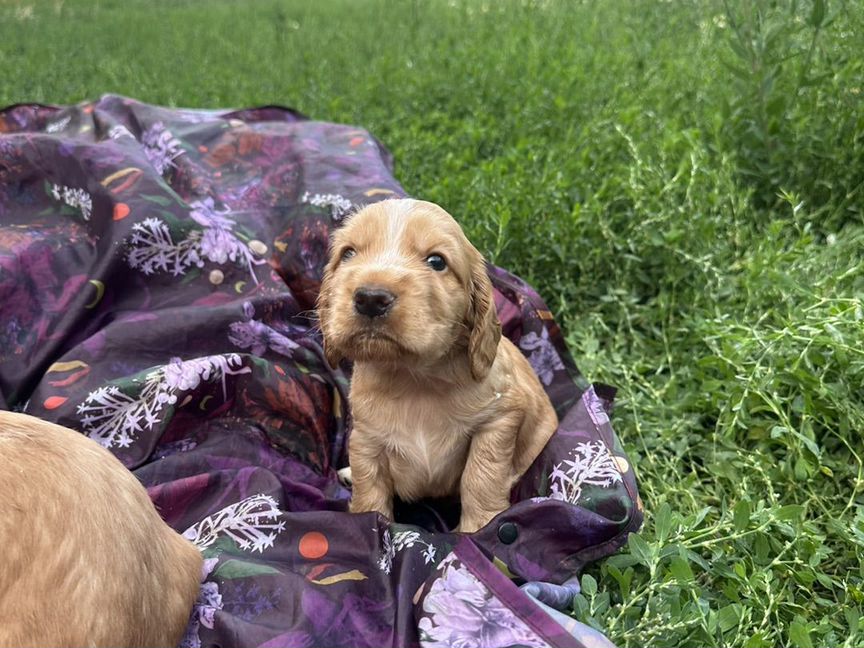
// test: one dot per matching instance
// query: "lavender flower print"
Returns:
(252, 335)
(161, 147)
(175, 447)
(247, 599)
(258, 337)
(187, 375)
(204, 213)
(152, 246)
(209, 601)
(461, 612)
(595, 407)
(218, 243)
(544, 359)
(183, 375)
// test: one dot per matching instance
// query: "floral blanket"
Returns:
(158, 274)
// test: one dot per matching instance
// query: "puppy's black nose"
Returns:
(373, 302)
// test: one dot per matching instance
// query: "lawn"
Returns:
(682, 181)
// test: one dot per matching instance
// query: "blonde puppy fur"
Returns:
(85, 559)
(441, 403)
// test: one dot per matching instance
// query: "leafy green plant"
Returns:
(782, 116)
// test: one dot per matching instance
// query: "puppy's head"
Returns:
(404, 284)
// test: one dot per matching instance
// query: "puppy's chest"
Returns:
(426, 446)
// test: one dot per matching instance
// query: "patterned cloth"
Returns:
(158, 274)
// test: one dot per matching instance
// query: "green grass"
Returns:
(683, 183)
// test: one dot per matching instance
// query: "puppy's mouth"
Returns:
(375, 344)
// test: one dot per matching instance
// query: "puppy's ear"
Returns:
(330, 352)
(485, 329)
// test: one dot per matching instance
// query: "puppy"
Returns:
(441, 403)
(86, 560)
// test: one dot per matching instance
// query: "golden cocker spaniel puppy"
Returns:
(442, 404)
(85, 559)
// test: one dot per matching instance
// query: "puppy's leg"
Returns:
(370, 473)
(488, 477)
(538, 427)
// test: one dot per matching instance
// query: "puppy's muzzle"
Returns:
(373, 302)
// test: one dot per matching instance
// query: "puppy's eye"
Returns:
(436, 262)
(348, 253)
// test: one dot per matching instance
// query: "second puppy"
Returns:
(442, 404)
(86, 560)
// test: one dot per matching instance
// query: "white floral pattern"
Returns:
(392, 544)
(75, 198)
(59, 125)
(339, 205)
(591, 464)
(118, 131)
(112, 417)
(388, 552)
(461, 612)
(152, 248)
(251, 523)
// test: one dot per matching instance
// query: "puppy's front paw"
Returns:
(344, 476)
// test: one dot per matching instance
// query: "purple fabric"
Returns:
(158, 273)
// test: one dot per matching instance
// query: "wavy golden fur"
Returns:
(85, 559)
(441, 403)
